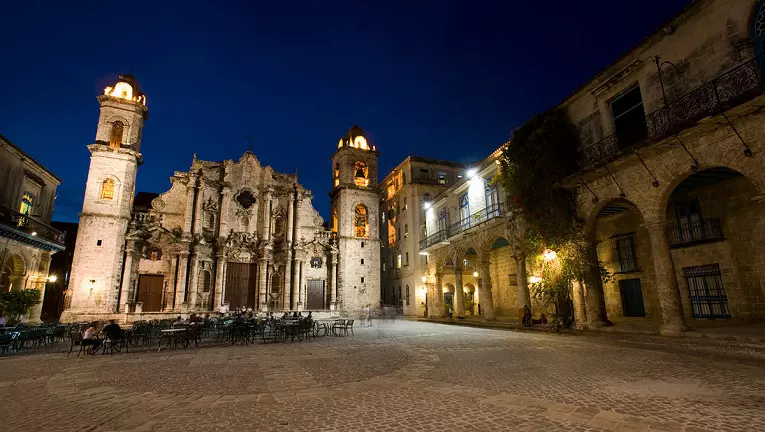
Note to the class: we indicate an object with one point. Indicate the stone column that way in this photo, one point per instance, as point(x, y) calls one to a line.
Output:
point(299, 285)
point(438, 298)
point(220, 291)
point(290, 212)
point(44, 266)
point(459, 307)
point(580, 307)
point(333, 283)
point(127, 277)
point(673, 321)
point(522, 290)
point(487, 303)
point(223, 216)
point(262, 300)
point(267, 216)
point(294, 285)
point(190, 188)
point(198, 209)
point(595, 298)
point(193, 296)
point(180, 286)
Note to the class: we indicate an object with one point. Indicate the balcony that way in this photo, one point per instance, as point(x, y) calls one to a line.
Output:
point(701, 231)
point(733, 88)
point(476, 219)
point(26, 229)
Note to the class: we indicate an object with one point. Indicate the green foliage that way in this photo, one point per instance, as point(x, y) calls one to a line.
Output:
point(14, 304)
point(540, 154)
point(543, 215)
point(468, 303)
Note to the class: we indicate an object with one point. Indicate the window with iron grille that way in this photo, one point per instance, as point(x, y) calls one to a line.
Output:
point(624, 253)
point(705, 287)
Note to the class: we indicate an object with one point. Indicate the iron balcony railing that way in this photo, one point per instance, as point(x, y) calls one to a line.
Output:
point(28, 225)
point(730, 89)
point(477, 218)
point(704, 230)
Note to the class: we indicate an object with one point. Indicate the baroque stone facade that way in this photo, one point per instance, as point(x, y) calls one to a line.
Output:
point(227, 235)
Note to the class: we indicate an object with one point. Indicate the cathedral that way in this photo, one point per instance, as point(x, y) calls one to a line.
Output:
point(227, 234)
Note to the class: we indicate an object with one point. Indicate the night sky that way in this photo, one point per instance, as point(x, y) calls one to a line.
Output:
point(443, 79)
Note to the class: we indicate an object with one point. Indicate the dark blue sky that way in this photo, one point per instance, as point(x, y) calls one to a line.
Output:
point(444, 79)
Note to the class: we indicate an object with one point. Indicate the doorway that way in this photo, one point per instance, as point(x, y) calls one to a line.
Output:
point(632, 298)
point(150, 292)
point(315, 294)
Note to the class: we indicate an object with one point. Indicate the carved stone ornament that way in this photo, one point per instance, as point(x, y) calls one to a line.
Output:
point(210, 205)
point(158, 203)
point(278, 212)
point(241, 240)
point(245, 198)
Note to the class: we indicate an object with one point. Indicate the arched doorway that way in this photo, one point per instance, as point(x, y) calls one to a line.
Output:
point(449, 299)
point(470, 296)
point(624, 248)
point(13, 271)
point(715, 233)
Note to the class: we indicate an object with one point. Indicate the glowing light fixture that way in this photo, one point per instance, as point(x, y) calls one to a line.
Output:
point(423, 253)
point(472, 172)
point(424, 278)
point(549, 255)
point(534, 279)
point(427, 205)
point(52, 278)
point(34, 233)
point(475, 274)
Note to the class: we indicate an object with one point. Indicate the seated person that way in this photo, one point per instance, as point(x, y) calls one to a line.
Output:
point(112, 331)
point(90, 338)
point(178, 321)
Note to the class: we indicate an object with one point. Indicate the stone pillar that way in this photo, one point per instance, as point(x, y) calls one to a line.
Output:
point(438, 298)
point(459, 307)
point(127, 277)
point(190, 188)
point(267, 216)
point(595, 298)
point(522, 290)
point(487, 303)
point(333, 283)
point(219, 292)
point(580, 307)
point(223, 216)
point(193, 297)
point(263, 273)
point(299, 285)
point(295, 285)
point(673, 321)
point(198, 208)
point(287, 284)
point(180, 286)
point(290, 212)
point(44, 266)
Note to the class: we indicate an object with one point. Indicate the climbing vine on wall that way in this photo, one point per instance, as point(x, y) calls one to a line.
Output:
point(541, 154)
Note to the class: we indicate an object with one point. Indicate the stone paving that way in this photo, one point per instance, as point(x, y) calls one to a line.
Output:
point(397, 376)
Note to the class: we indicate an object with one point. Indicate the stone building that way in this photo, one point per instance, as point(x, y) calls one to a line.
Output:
point(405, 193)
point(354, 214)
point(227, 235)
point(671, 181)
point(27, 240)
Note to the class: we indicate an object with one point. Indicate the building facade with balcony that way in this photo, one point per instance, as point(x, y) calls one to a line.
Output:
point(473, 270)
point(405, 193)
point(672, 178)
point(27, 241)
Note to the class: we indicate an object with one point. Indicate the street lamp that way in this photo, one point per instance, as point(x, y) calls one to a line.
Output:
point(52, 278)
point(475, 274)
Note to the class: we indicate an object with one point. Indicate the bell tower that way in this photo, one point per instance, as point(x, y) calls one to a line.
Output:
point(355, 219)
point(94, 288)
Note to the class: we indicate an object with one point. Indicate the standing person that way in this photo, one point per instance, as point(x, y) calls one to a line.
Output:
point(90, 337)
point(369, 316)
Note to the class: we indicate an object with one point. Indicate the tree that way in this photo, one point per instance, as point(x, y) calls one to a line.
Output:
point(541, 154)
point(14, 304)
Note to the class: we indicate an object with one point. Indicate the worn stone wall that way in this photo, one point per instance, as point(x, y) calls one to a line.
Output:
point(619, 224)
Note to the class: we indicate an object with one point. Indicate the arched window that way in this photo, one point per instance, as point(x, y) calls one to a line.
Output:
point(336, 175)
point(333, 227)
point(107, 189)
point(361, 174)
point(115, 139)
point(361, 221)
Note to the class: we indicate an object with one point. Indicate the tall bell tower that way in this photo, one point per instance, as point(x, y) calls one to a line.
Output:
point(94, 286)
point(355, 219)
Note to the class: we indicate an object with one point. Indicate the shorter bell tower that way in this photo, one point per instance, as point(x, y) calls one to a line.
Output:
point(94, 287)
point(355, 219)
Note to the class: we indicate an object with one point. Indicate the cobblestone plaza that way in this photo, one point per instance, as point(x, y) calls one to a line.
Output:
point(407, 376)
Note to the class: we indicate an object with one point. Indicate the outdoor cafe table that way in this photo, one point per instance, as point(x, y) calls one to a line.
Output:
point(172, 336)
